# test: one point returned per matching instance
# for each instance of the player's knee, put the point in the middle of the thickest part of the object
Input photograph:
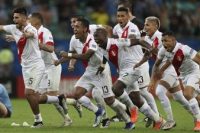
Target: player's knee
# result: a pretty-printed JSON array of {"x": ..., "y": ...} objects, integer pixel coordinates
[
  {"x": 109, "y": 101},
  {"x": 136, "y": 99},
  {"x": 188, "y": 93},
  {"x": 79, "y": 93}
]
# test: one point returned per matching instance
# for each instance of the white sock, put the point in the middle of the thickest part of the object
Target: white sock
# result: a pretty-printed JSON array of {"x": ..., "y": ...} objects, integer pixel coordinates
[
  {"x": 195, "y": 108},
  {"x": 164, "y": 100},
  {"x": 52, "y": 99},
  {"x": 70, "y": 101},
  {"x": 97, "y": 96},
  {"x": 150, "y": 99},
  {"x": 118, "y": 108},
  {"x": 38, "y": 118},
  {"x": 178, "y": 96},
  {"x": 124, "y": 98},
  {"x": 59, "y": 109},
  {"x": 147, "y": 111},
  {"x": 85, "y": 101}
]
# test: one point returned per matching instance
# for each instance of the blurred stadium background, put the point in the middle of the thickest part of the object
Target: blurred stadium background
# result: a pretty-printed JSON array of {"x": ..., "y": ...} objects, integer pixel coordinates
[{"x": 180, "y": 16}]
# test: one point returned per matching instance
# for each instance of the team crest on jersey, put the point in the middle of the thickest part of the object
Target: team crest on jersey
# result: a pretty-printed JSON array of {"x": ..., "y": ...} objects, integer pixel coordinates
[
  {"x": 132, "y": 30},
  {"x": 94, "y": 46},
  {"x": 113, "y": 53},
  {"x": 179, "y": 58}
]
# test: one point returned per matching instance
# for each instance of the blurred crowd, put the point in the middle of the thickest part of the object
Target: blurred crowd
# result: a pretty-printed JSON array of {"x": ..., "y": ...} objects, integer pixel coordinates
[{"x": 180, "y": 16}]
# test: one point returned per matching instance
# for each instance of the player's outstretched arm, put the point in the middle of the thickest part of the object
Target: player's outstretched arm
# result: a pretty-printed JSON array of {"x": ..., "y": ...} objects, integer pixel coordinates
[
  {"x": 85, "y": 56},
  {"x": 145, "y": 58},
  {"x": 47, "y": 48}
]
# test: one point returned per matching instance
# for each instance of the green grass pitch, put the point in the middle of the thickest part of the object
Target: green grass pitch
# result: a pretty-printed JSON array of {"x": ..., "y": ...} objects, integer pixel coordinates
[{"x": 52, "y": 121}]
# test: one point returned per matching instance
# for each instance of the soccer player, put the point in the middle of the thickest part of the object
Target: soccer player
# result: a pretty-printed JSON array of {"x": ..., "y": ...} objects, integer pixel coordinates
[
  {"x": 87, "y": 51},
  {"x": 33, "y": 68},
  {"x": 126, "y": 29},
  {"x": 119, "y": 54},
  {"x": 169, "y": 81},
  {"x": 186, "y": 63},
  {"x": 127, "y": 4},
  {"x": 96, "y": 93},
  {"x": 5, "y": 104},
  {"x": 46, "y": 45}
]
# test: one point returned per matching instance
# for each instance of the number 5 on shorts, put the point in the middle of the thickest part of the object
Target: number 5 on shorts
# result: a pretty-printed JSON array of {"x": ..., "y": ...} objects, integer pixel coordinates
[{"x": 30, "y": 81}]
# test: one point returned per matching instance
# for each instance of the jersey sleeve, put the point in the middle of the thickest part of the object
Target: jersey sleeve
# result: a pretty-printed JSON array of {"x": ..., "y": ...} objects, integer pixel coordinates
[
  {"x": 115, "y": 31},
  {"x": 134, "y": 31},
  {"x": 93, "y": 45},
  {"x": 72, "y": 43},
  {"x": 161, "y": 53},
  {"x": 48, "y": 38},
  {"x": 189, "y": 52},
  {"x": 8, "y": 28}
]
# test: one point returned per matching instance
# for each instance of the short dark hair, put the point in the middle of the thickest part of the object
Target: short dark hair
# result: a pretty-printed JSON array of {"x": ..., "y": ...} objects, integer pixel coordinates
[
  {"x": 76, "y": 16},
  {"x": 84, "y": 22},
  {"x": 122, "y": 9},
  {"x": 169, "y": 33},
  {"x": 102, "y": 30},
  {"x": 38, "y": 16},
  {"x": 20, "y": 10}
]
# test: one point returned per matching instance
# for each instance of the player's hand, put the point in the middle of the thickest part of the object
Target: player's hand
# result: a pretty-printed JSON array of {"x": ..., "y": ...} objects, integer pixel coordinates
[
  {"x": 100, "y": 69},
  {"x": 56, "y": 62},
  {"x": 9, "y": 38},
  {"x": 63, "y": 54},
  {"x": 70, "y": 68}
]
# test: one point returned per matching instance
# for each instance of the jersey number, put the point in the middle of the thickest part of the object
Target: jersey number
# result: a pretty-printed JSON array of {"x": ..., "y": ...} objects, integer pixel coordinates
[
  {"x": 49, "y": 82},
  {"x": 30, "y": 82},
  {"x": 105, "y": 89},
  {"x": 140, "y": 80}
]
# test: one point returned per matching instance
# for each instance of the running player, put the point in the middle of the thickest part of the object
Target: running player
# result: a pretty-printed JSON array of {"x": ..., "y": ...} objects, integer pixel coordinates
[
  {"x": 124, "y": 61},
  {"x": 169, "y": 81},
  {"x": 33, "y": 68},
  {"x": 186, "y": 63},
  {"x": 46, "y": 45},
  {"x": 126, "y": 29},
  {"x": 96, "y": 93},
  {"x": 87, "y": 51}
]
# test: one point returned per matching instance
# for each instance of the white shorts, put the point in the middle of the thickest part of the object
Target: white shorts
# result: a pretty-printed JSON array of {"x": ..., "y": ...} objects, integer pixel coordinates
[
  {"x": 35, "y": 78},
  {"x": 89, "y": 80},
  {"x": 171, "y": 80},
  {"x": 130, "y": 77},
  {"x": 54, "y": 76},
  {"x": 144, "y": 78},
  {"x": 192, "y": 80}
]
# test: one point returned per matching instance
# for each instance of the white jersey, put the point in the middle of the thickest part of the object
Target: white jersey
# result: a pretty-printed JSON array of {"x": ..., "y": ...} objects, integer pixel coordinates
[
  {"x": 94, "y": 27},
  {"x": 45, "y": 37},
  {"x": 156, "y": 42},
  {"x": 131, "y": 29},
  {"x": 80, "y": 48},
  {"x": 118, "y": 56},
  {"x": 28, "y": 49},
  {"x": 181, "y": 58}
]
